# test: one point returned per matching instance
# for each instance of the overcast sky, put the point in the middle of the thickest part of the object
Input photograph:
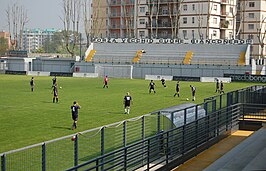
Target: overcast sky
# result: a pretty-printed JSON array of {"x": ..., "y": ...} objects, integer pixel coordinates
[{"x": 41, "y": 13}]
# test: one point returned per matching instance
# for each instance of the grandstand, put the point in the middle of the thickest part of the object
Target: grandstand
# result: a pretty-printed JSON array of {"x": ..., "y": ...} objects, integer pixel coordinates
[{"x": 126, "y": 53}]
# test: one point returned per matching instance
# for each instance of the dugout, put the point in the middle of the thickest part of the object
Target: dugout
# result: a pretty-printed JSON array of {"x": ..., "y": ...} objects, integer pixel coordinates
[{"x": 179, "y": 115}]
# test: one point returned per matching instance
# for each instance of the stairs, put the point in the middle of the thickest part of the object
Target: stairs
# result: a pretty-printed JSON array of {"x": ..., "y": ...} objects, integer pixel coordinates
[
  {"x": 188, "y": 58},
  {"x": 137, "y": 56},
  {"x": 242, "y": 58},
  {"x": 90, "y": 56}
]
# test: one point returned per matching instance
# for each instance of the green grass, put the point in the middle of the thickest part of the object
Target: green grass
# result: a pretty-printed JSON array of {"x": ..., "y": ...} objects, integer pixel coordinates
[{"x": 28, "y": 118}]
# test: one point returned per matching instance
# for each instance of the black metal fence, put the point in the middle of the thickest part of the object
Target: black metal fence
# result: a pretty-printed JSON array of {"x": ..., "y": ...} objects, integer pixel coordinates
[{"x": 149, "y": 142}]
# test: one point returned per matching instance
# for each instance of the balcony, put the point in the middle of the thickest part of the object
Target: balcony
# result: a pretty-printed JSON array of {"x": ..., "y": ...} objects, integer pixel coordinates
[
  {"x": 159, "y": 26},
  {"x": 224, "y": 24},
  {"x": 224, "y": 1}
]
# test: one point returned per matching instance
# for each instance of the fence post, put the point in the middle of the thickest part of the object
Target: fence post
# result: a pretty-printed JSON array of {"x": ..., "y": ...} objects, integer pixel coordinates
[
  {"x": 3, "y": 162},
  {"x": 125, "y": 159},
  {"x": 43, "y": 157},
  {"x": 148, "y": 156},
  {"x": 197, "y": 122},
  {"x": 76, "y": 150},
  {"x": 143, "y": 127},
  {"x": 125, "y": 133},
  {"x": 184, "y": 131},
  {"x": 159, "y": 122},
  {"x": 102, "y": 147}
]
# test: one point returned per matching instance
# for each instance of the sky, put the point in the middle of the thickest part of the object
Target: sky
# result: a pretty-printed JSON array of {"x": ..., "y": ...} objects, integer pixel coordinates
[{"x": 41, "y": 13}]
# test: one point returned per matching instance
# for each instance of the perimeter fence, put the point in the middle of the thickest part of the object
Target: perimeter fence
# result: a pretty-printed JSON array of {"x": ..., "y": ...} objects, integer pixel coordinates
[{"x": 146, "y": 142}]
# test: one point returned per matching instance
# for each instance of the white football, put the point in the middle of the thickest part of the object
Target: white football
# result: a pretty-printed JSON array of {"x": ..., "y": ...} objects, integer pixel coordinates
[
  {"x": 60, "y": 87},
  {"x": 187, "y": 99}
]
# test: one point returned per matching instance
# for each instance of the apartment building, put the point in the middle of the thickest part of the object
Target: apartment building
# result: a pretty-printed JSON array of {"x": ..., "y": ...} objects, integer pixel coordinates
[
  {"x": 252, "y": 25},
  {"x": 6, "y": 35},
  {"x": 213, "y": 19},
  {"x": 99, "y": 20},
  {"x": 185, "y": 19},
  {"x": 33, "y": 39}
]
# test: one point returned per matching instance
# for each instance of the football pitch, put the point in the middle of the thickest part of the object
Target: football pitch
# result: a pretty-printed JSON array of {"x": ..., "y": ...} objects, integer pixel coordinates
[{"x": 28, "y": 118}]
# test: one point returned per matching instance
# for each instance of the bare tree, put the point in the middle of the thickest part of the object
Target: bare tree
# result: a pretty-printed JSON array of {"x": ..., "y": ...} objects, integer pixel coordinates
[
  {"x": 157, "y": 18},
  {"x": 210, "y": 6},
  {"x": 261, "y": 34},
  {"x": 199, "y": 13},
  {"x": 71, "y": 21},
  {"x": 151, "y": 8},
  {"x": 16, "y": 19},
  {"x": 174, "y": 8},
  {"x": 239, "y": 15}
]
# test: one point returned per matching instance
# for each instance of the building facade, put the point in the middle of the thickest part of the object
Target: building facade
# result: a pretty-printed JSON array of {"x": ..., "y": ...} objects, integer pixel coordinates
[
  {"x": 6, "y": 35},
  {"x": 34, "y": 39},
  {"x": 252, "y": 25},
  {"x": 184, "y": 19}
]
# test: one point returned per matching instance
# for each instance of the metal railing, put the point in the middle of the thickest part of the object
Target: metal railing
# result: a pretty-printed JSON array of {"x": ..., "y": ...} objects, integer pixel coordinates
[{"x": 148, "y": 141}]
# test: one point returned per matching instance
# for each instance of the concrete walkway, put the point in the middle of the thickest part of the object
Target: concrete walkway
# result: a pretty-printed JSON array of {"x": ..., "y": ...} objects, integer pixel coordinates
[{"x": 209, "y": 156}]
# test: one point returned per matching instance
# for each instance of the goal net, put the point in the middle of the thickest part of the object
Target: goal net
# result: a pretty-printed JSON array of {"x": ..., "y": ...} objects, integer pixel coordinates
[{"x": 115, "y": 71}]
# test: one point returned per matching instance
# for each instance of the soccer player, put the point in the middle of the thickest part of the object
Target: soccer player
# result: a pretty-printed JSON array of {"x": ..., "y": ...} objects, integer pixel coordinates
[
  {"x": 105, "y": 81},
  {"x": 193, "y": 91},
  {"x": 75, "y": 110},
  {"x": 54, "y": 81},
  {"x": 55, "y": 92},
  {"x": 152, "y": 86},
  {"x": 127, "y": 100},
  {"x": 32, "y": 84},
  {"x": 163, "y": 82},
  {"x": 177, "y": 88},
  {"x": 217, "y": 86},
  {"x": 221, "y": 87}
]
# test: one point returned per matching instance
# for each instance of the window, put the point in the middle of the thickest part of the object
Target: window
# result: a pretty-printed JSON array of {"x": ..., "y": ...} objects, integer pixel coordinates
[
  {"x": 193, "y": 20},
  {"x": 231, "y": 10},
  {"x": 250, "y": 36},
  {"x": 193, "y": 33},
  {"x": 142, "y": 34},
  {"x": 251, "y": 4},
  {"x": 165, "y": 11},
  {"x": 141, "y": 21},
  {"x": 251, "y": 15},
  {"x": 230, "y": 35},
  {"x": 215, "y": 7},
  {"x": 193, "y": 7},
  {"x": 251, "y": 26},
  {"x": 185, "y": 33},
  {"x": 185, "y": 20},
  {"x": 185, "y": 7},
  {"x": 214, "y": 33},
  {"x": 214, "y": 20},
  {"x": 142, "y": 9}
]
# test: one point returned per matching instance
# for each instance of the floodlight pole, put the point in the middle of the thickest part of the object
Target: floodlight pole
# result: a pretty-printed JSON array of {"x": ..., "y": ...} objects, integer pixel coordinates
[{"x": 80, "y": 45}]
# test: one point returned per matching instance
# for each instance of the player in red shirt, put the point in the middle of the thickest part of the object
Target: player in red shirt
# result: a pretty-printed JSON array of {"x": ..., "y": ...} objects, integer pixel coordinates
[{"x": 105, "y": 82}]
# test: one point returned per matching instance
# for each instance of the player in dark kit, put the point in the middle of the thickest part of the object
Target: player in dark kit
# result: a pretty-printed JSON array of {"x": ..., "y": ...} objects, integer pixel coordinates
[
  {"x": 55, "y": 92},
  {"x": 217, "y": 86},
  {"x": 54, "y": 81},
  {"x": 163, "y": 82},
  {"x": 221, "y": 87},
  {"x": 75, "y": 110},
  {"x": 32, "y": 84},
  {"x": 177, "y": 88},
  {"x": 127, "y": 100},
  {"x": 105, "y": 81},
  {"x": 193, "y": 91},
  {"x": 152, "y": 86}
]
